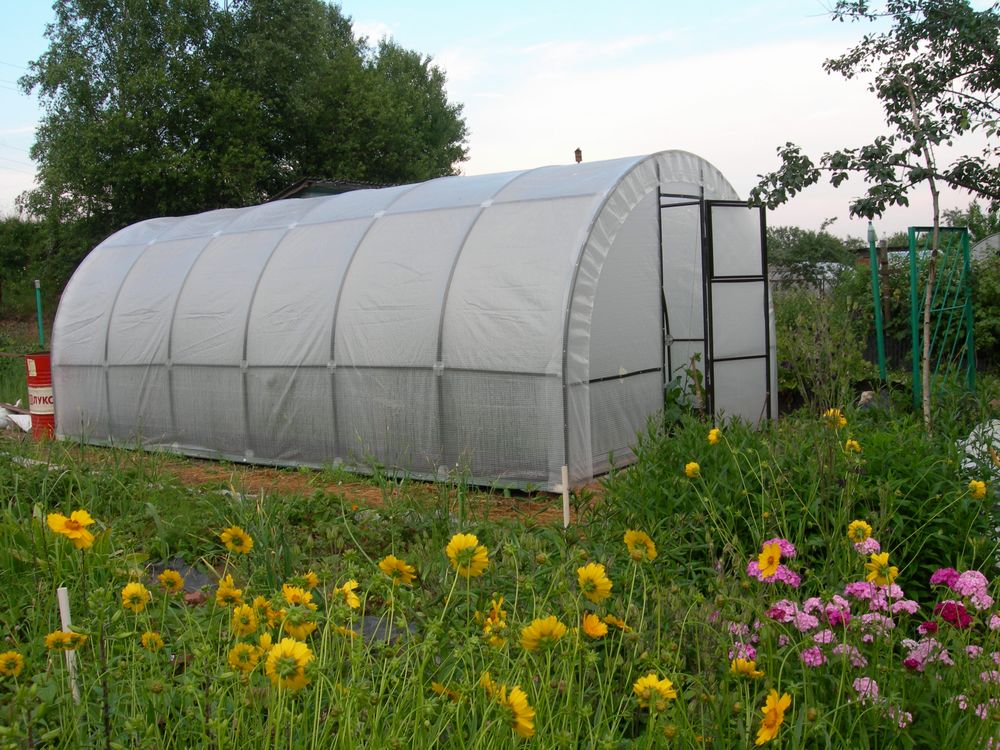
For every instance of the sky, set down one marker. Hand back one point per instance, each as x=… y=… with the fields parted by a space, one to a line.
x=729 y=81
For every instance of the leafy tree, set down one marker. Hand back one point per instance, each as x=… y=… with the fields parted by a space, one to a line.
x=981 y=224
x=936 y=72
x=160 y=107
x=806 y=256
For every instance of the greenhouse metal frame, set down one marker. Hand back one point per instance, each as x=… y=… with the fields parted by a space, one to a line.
x=499 y=326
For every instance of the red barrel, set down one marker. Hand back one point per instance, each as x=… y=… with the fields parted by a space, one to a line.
x=40 y=403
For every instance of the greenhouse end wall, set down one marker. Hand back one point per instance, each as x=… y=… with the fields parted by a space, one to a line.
x=497 y=326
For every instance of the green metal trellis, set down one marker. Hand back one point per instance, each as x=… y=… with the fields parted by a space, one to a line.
x=952 y=353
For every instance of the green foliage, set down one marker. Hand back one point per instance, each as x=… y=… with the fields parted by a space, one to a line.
x=981 y=224
x=805 y=256
x=180 y=106
x=820 y=340
x=936 y=72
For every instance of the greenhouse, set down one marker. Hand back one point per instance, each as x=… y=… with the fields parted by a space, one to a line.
x=502 y=326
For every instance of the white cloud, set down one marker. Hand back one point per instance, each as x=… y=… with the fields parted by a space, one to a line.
x=374 y=31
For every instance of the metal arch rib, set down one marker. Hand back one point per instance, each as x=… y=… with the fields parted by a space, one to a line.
x=336 y=311
x=439 y=348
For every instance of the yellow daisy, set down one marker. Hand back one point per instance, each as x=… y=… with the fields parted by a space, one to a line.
x=467 y=555
x=745 y=668
x=135 y=597
x=652 y=692
x=774 y=714
x=594 y=582
x=977 y=489
x=617 y=622
x=151 y=641
x=64 y=640
x=236 y=540
x=692 y=470
x=73 y=528
x=879 y=569
x=542 y=632
x=520 y=713
x=243 y=657
x=171 y=580
x=398 y=570
x=769 y=560
x=714 y=435
x=639 y=545
x=296 y=595
x=347 y=592
x=593 y=626
x=227 y=595
x=286 y=664
x=858 y=531
x=835 y=419
x=852 y=446
x=244 y=621
x=11 y=664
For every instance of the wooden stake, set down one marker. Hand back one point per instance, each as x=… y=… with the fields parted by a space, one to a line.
x=62 y=595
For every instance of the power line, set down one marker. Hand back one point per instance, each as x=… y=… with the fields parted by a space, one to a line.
x=12 y=65
x=16 y=161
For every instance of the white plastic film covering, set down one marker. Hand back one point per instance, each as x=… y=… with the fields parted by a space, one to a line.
x=500 y=326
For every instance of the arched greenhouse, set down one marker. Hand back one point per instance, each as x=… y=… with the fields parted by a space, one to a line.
x=506 y=324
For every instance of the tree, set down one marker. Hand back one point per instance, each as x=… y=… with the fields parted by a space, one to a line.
x=981 y=224
x=806 y=256
x=936 y=72
x=160 y=107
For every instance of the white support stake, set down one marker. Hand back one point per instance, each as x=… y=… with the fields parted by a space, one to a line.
x=62 y=595
x=565 y=491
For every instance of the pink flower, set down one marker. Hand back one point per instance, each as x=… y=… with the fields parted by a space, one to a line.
x=739 y=629
x=946 y=576
x=804 y=623
x=854 y=656
x=923 y=652
x=743 y=651
x=783 y=640
x=908 y=606
x=928 y=627
x=838 y=611
x=876 y=623
x=867 y=689
x=811 y=604
x=994 y=622
x=953 y=612
x=969 y=583
x=824 y=636
x=991 y=676
x=787 y=548
x=860 y=590
x=783 y=611
x=869 y=546
x=973 y=651
x=902 y=718
x=813 y=657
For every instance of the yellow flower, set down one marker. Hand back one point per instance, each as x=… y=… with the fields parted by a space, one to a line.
x=236 y=540
x=652 y=692
x=244 y=621
x=487 y=683
x=296 y=595
x=745 y=668
x=447 y=692
x=135 y=597
x=398 y=570
x=311 y=579
x=171 y=580
x=11 y=664
x=264 y=643
x=977 y=489
x=298 y=629
x=64 y=640
x=594 y=582
x=879 y=569
x=346 y=632
x=243 y=657
x=286 y=664
x=593 y=626
x=639 y=545
x=520 y=713
x=617 y=622
x=347 y=592
x=692 y=470
x=774 y=714
x=467 y=555
x=542 y=632
x=835 y=418
x=858 y=531
x=227 y=594
x=714 y=436
x=495 y=623
x=852 y=446
x=151 y=641
x=769 y=560
x=73 y=528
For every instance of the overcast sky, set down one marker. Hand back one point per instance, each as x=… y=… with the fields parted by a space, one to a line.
x=729 y=81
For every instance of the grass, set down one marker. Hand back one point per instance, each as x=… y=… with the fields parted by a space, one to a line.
x=405 y=668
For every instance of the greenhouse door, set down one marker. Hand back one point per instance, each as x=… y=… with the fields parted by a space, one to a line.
x=737 y=307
